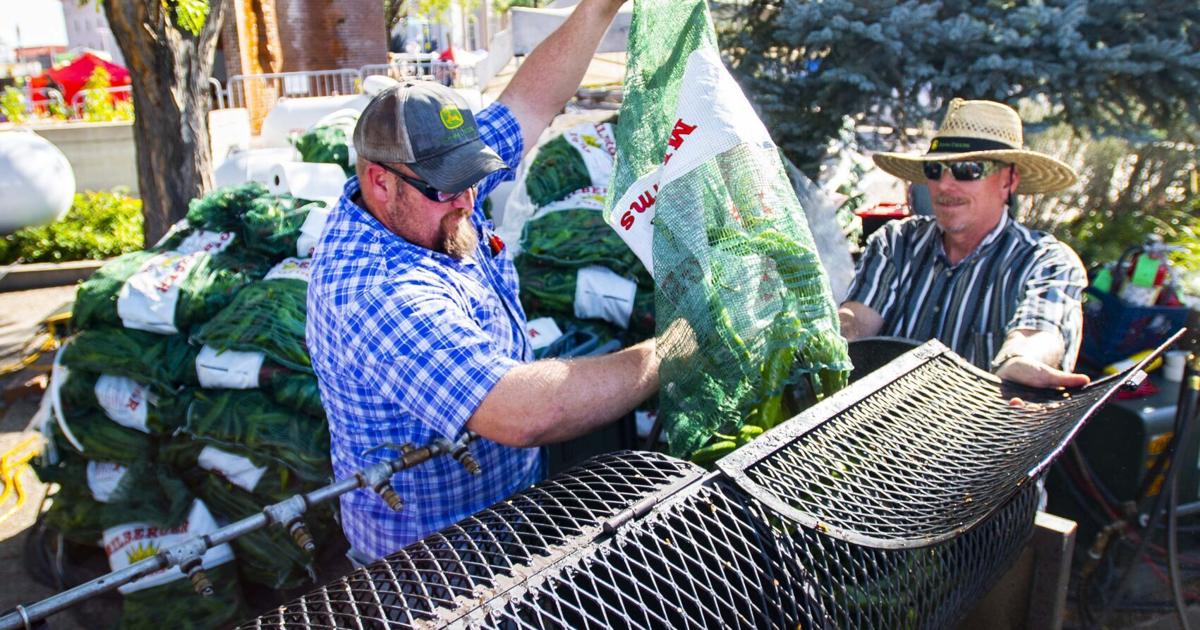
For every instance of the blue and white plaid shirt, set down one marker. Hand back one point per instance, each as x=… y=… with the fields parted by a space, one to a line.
x=406 y=343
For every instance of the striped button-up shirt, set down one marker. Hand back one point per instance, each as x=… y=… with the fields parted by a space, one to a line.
x=406 y=343
x=1016 y=278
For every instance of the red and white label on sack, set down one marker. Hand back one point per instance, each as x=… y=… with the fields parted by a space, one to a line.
x=148 y=298
x=294 y=268
x=205 y=241
x=310 y=232
x=238 y=470
x=228 y=369
x=600 y=293
x=103 y=479
x=124 y=401
x=590 y=198
x=132 y=542
x=543 y=331
x=712 y=117
x=597 y=146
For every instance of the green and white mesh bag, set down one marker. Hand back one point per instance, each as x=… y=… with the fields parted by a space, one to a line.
x=700 y=195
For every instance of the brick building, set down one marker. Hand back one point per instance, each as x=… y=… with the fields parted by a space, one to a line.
x=272 y=36
x=262 y=36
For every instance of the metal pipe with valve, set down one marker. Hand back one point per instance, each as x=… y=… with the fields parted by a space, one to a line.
x=287 y=514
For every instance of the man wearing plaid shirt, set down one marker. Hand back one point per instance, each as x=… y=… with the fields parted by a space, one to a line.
x=414 y=324
x=995 y=292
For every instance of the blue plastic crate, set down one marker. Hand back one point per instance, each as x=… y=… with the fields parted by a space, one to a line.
x=1114 y=329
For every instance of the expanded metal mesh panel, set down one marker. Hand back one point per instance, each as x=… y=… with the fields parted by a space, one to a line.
x=786 y=534
x=486 y=552
x=914 y=454
x=716 y=557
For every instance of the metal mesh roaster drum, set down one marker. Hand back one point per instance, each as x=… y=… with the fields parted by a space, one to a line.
x=894 y=504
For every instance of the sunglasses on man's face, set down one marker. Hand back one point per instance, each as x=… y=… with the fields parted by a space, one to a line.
x=966 y=171
x=423 y=187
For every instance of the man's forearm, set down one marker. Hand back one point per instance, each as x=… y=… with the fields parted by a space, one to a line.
x=554 y=400
x=551 y=74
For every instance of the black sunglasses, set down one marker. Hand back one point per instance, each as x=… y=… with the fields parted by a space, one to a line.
x=968 y=171
x=423 y=187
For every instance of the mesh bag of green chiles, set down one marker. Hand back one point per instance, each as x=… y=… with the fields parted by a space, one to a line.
x=241 y=370
x=272 y=224
x=268 y=480
x=326 y=144
x=125 y=401
x=94 y=495
x=579 y=237
x=578 y=158
x=266 y=316
x=96 y=437
x=164 y=362
x=294 y=390
x=553 y=290
x=222 y=209
x=96 y=298
x=162 y=292
x=246 y=421
x=742 y=304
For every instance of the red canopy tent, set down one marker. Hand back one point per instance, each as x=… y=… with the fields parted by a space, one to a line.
x=71 y=78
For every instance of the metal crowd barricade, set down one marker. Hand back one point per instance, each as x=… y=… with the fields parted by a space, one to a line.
x=269 y=88
x=403 y=66
x=41 y=99
x=217 y=94
x=77 y=100
x=895 y=503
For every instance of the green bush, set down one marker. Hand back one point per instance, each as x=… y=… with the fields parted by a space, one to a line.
x=98 y=104
x=98 y=225
x=12 y=105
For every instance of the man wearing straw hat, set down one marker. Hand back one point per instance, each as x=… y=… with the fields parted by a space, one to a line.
x=1003 y=296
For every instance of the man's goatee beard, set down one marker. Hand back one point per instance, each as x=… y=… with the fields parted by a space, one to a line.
x=459 y=239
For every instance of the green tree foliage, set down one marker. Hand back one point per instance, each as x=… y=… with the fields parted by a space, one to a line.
x=1108 y=66
x=500 y=6
x=1128 y=189
x=12 y=105
x=99 y=105
x=189 y=14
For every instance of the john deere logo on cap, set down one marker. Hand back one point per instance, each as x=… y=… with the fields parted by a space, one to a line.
x=452 y=118
x=934 y=145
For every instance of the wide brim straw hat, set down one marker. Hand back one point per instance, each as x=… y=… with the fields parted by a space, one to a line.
x=983 y=130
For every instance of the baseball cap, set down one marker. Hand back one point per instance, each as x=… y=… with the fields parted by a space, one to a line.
x=429 y=128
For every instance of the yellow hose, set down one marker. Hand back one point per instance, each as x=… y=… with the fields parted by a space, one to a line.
x=12 y=463
x=48 y=343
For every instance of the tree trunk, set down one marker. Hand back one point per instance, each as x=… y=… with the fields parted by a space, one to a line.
x=170 y=69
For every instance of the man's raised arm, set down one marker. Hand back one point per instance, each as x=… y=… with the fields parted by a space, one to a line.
x=552 y=73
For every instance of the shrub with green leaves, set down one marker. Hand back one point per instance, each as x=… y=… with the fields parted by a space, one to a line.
x=12 y=105
x=99 y=105
x=99 y=225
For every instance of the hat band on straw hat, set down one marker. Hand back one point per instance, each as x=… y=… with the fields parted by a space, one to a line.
x=967 y=145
